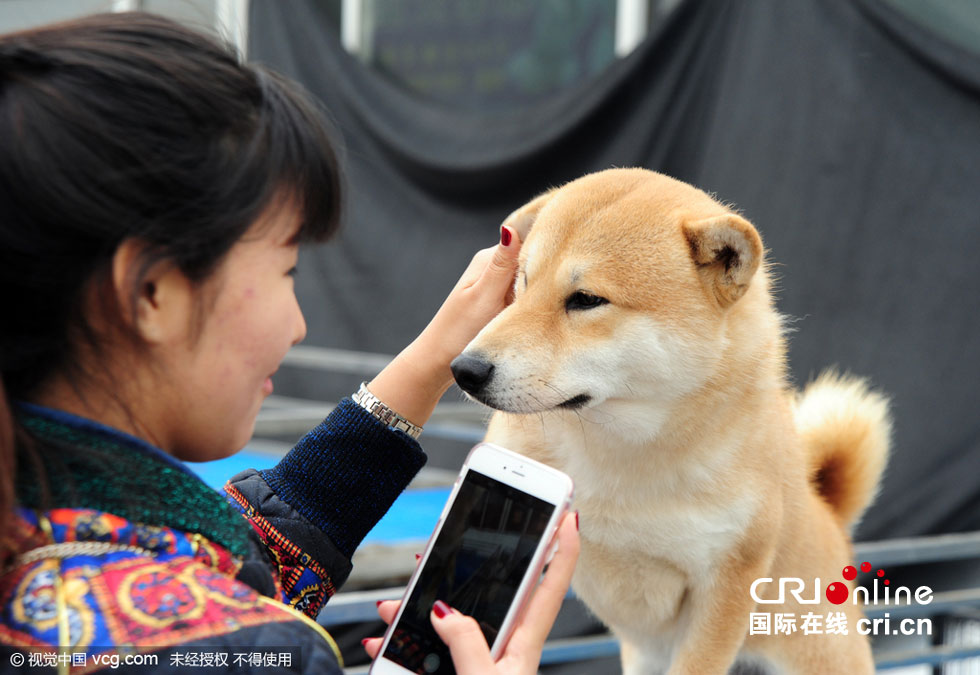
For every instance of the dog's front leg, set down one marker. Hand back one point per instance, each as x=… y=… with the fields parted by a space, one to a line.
x=720 y=613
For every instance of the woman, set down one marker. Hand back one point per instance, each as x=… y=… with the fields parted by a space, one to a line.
x=154 y=193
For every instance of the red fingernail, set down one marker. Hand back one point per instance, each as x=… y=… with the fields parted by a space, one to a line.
x=418 y=556
x=505 y=236
x=441 y=609
x=377 y=603
x=365 y=641
x=576 y=521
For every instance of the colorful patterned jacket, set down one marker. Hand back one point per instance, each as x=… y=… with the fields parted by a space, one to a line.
x=126 y=558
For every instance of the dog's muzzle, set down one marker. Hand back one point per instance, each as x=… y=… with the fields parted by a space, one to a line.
x=472 y=373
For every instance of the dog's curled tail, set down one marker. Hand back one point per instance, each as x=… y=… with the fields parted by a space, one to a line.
x=846 y=430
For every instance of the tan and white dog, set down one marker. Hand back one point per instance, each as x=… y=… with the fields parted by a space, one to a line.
x=643 y=356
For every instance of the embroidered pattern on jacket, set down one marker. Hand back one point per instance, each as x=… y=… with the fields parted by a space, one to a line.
x=305 y=584
x=123 y=597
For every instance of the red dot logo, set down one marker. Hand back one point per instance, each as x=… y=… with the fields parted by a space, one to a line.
x=849 y=573
x=837 y=593
x=865 y=567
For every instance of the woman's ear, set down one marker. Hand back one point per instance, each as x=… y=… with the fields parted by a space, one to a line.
x=155 y=300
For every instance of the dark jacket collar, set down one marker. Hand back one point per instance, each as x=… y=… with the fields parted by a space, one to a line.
x=85 y=464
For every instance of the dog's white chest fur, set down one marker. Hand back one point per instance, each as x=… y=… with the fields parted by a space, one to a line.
x=692 y=537
x=649 y=542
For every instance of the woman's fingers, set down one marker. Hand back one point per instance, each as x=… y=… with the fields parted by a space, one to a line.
x=372 y=646
x=462 y=634
x=498 y=274
x=387 y=610
x=543 y=608
x=494 y=268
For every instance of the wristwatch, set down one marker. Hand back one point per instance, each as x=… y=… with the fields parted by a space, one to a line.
x=382 y=412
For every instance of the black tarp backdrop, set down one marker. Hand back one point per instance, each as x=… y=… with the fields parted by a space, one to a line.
x=849 y=135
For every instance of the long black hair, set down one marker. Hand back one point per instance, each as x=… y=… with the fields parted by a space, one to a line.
x=129 y=125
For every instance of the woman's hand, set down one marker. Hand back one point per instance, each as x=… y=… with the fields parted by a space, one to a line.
x=417 y=378
x=469 y=650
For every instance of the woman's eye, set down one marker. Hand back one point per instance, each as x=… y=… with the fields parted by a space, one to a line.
x=582 y=300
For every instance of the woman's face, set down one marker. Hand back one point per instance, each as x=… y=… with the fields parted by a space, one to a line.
x=215 y=381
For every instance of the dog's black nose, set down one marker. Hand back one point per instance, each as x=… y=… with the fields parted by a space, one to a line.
x=471 y=372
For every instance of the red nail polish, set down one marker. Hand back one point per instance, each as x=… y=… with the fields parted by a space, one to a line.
x=441 y=609
x=418 y=556
x=377 y=603
x=576 y=521
x=505 y=236
x=365 y=641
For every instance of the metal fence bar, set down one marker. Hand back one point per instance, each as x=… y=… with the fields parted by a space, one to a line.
x=453 y=421
x=945 y=547
x=932 y=657
x=942 y=603
x=356 y=606
x=337 y=360
x=580 y=649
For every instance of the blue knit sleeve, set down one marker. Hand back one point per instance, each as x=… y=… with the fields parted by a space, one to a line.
x=345 y=474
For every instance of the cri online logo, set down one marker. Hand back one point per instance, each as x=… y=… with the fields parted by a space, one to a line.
x=837 y=592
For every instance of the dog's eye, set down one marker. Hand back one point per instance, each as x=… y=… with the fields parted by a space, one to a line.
x=583 y=300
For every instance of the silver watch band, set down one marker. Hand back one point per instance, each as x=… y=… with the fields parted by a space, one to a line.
x=382 y=412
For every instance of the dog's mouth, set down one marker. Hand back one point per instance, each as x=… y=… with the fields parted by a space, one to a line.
x=576 y=402
x=520 y=407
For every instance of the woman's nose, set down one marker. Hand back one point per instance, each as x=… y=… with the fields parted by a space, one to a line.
x=300 y=329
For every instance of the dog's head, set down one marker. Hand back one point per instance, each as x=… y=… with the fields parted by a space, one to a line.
x=628 y=286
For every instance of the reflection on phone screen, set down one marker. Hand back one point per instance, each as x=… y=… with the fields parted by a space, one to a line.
x=476 y=566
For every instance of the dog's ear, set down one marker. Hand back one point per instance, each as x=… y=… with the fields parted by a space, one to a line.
x=523 y=218
x=727 y=251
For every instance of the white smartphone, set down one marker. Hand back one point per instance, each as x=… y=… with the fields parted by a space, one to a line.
x=484 y=557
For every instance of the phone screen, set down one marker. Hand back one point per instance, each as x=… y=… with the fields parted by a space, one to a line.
x=476 y=566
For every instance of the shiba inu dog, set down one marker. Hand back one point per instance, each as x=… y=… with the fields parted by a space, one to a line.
x=643 y=356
